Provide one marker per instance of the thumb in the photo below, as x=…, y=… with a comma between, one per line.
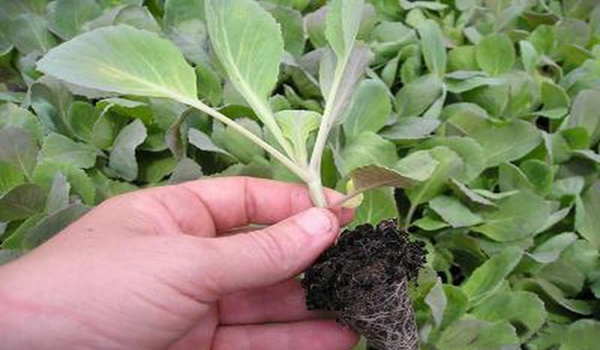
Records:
x=267, y=256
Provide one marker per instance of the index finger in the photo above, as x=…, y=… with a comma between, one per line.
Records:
x=239, y=201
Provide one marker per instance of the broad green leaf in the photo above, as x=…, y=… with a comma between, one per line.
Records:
x=524, y=310
x=204, y=143
x=456, y=306
x=138, y=17
x=469, y=195
x=68, y=16
x=153, y=170
x=10, y=177
x=582, y=335
x=209, y=84
x=292, y=28
x=122, y=156
x=15, y=239
x=517, y=217
x=191, y=37
x=415, y=168
x=369, y=109
x=59, y=148
x=249, y=45
x=469, y=151
x=550, y=250
x=436, y=300
x=368, y=148
x=297, y=126
x=472, y=334
x=342, y=24
x=58, y=197
x=585, y=256
x=125, y=60
x=462, y=58
x=508, y=142
x=454, y=212
x=511, y=178
x=18, y=149
x=53, y=224
x=29, y=33
x=433, y=46
x=186, y=170
x=377, y=205
x=417, y=96
x=584, y=112
x=587, y=220
x=82, y=117
x=565, y=275
x=81, y=184
x=243, y=149
x=488, y=277
x=12, y=116
x=21, y=202
x=410, y=128
x=554, y=96
x=179, y=11
x=449, y=162
x=495, y=54
x=556, y=295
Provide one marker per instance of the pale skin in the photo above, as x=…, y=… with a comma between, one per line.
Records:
x=161, y=269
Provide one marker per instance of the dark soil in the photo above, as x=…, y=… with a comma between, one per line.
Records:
x=365, y=278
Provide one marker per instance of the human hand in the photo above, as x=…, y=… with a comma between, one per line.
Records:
x=160, y=269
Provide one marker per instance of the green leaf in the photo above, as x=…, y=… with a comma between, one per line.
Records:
x=58, y=198
x=524, y=310
x=584, y=113
x=508, y=142
x=69, y=16
x=82, y=117
x=550, y=250
x=448, y=163
x=122, y=156
x=366, y=149
x=249, y=45
x=587, y=220
x=377, y=205
x=12, y=116
x=488, y=277
x=125, y=60
x=179, y=11
x=456, y=306
x=518, y=216
x=436, y=300
x=433, y=46
x=82, y=185
x=495, y=54
x=10, y=177
x=582, y=335
x=21, y=202
x=18, y=149
x=29, y=33
x=59, y=148
x=417, y=96
x=410, y=128
x=243, y=149
x=204, y=143
x=369, y=109
x=473, y=334
x=186, y=170
x=342, y=24
x=454, y=212
x=297, y=126
x=292, y=27
x=556, y=295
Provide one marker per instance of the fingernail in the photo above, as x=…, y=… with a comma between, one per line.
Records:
x=347, y=215
x=315, y=221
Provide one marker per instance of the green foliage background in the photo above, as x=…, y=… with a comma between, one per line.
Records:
x=504, y=95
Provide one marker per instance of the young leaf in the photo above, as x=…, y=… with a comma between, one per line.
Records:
x=487, y=278
x=495, y=54
x=454, y=212
x=249, y=45
x=518, y=216
x=21, y=202
x=366, y=149
x=410, y=128
x=125, y=60
x=62, y=149
x=122, y=157
x=369, y=110
x=18, y=149
x=82, y=185
x=297, y=126
x=434, y=47
x=587, y=219
x=585, y=113
x=342, y=24
x=68, y=16
x=58, y=198
x=204, y=143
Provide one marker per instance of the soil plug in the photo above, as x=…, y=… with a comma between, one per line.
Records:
x=365, y=278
